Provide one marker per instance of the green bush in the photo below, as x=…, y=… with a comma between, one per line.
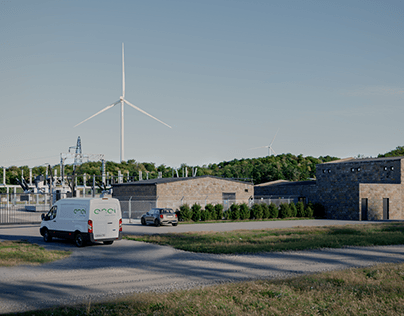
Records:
x=301, y=212
x=284, y=210
x=219, y=211
x=205, y=215
x=318, y=210
x=211, y=210
x=293, y=209
x=273, y=211
x=196, y=212
x=244, y=211
x=256, y=211
x=309, y=211
x=235, y=211
x=265, y=210
x=185, y=212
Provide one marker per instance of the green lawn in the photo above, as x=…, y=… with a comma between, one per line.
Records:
x=299, y=238
x=21, y=252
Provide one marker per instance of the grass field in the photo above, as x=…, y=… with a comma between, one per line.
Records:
x=21, y=252
x=300, y=238
x=378, y=290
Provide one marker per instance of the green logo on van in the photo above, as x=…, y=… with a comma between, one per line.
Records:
x=79, y=210
x=109, y=211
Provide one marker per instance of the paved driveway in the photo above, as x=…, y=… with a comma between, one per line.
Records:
x=100, y=272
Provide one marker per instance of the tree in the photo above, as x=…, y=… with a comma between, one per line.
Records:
x=265, y=210
x=185, y=212
x=273, y=211
x=309, y=210
x=256, y=211
x=211, y=210
x=219, y=211
x=293, y=209
x=301, y=212
x=284, y=210
x=196, y=212
x=234, y=211
x=244, y=211
x=205, y=215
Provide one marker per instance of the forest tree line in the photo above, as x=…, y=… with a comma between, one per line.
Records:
x=256, y=170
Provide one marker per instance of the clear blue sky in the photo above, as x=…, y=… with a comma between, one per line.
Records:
x=226, y=75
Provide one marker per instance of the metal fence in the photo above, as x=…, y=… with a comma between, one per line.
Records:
x=23, y=208
x=18, y=208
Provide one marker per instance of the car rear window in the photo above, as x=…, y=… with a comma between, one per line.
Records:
x=166, y=211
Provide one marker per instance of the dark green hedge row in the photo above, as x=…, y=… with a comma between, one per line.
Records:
x=243, y=211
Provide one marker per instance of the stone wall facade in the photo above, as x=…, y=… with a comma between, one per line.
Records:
x=354, y=189
x=140, y=196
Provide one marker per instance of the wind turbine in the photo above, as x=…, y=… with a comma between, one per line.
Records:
x=270, y=149
x=122, y=100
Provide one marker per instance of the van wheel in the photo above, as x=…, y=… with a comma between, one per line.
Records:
x=108, y=242
x=78, y=240
x=157, y=223
x=175, y=224
x=46, y=236
x=143, y=221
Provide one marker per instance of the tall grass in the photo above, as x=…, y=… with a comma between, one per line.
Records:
x=300, y=238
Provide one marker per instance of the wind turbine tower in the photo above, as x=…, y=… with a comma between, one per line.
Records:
x=122, y=101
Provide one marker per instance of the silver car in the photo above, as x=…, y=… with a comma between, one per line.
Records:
x=160, y=216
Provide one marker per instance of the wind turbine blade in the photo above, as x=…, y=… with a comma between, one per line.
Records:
x=259, y=147
x=103, y=110
x=274, y=137
x=139, y=109
x=123, y=72
x=273, y=150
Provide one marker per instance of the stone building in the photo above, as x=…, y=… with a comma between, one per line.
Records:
x=355, y=189
x=141, y=196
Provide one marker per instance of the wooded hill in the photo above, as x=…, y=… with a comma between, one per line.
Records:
x=258, y=170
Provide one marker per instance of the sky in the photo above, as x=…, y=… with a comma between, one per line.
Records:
x=225, y=74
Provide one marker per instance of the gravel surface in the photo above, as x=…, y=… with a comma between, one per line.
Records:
x=101, y=272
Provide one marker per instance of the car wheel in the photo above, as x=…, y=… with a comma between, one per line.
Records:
x=110, y=242
x=175, y=224
x=46, y=236
x=157, y=223
x=78, y=240
x=143, y=221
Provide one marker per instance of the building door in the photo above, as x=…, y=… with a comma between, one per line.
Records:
x=386, y=208
x=364, y=209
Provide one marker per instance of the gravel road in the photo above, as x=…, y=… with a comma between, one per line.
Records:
x=100, y=272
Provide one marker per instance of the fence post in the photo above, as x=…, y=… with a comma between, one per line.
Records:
x=130, y=209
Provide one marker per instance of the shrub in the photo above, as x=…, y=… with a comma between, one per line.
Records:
x=196, y=212
x=265, y=210
x=244, y=211
x=318, y=210
x=205, y=215
x=235, y=211
x=309, y=211
x=293, y=209
x=211, y=210
x=301, y=212
x=219, y=211
x=273, y=211
x=256, y=211
x=284, y=210
x=185, y=212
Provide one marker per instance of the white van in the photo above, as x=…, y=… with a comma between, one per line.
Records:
x=83, y=220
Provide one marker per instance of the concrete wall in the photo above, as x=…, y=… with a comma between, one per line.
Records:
x=375, y=193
